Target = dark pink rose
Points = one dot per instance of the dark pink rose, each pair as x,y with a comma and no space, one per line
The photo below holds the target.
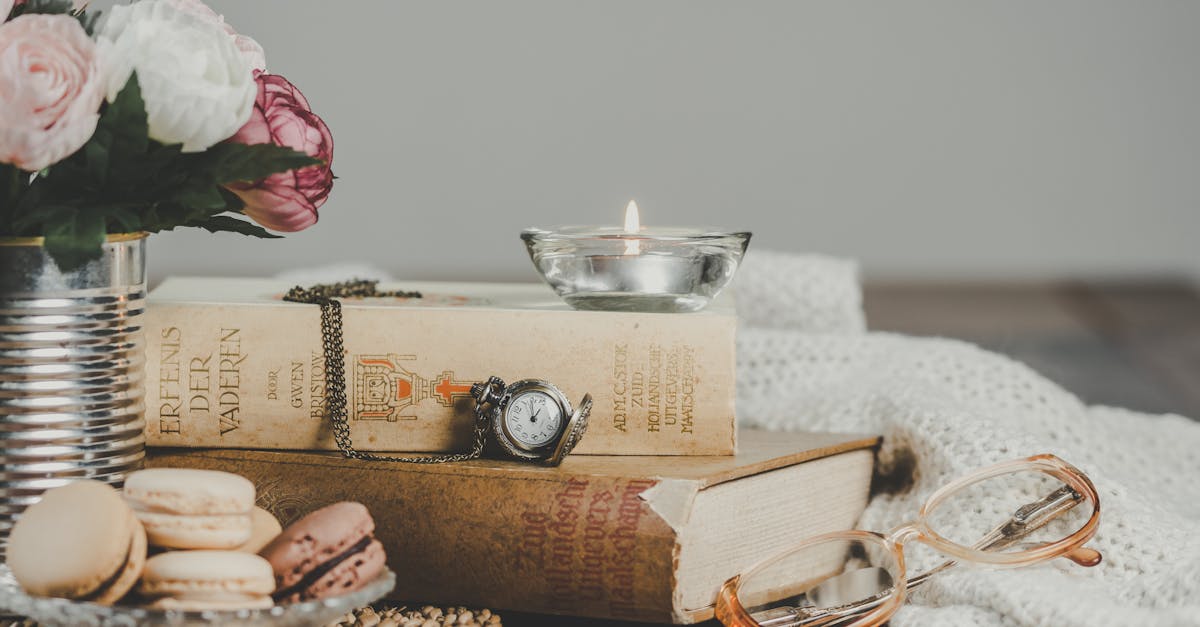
287,201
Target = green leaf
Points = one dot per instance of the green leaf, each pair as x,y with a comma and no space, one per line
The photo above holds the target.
11,186
122,135
49,7
232,224
73,237
87,19
161,158
151,177
233,163
200,196
233,202
28,214
126,218
70,176
170,215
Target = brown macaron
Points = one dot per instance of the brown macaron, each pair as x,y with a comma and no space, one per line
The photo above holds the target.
81,541
327,553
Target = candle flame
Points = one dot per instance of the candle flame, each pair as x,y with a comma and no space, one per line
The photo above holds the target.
633,224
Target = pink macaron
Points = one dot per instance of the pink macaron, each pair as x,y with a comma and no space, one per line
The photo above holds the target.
327,553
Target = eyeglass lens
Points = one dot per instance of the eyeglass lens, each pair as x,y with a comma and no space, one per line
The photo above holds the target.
1018,511
820,580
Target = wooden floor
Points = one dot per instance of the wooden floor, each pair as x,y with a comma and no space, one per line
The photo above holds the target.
1130,345
1134,345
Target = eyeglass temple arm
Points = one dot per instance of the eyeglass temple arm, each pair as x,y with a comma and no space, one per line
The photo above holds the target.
1027,519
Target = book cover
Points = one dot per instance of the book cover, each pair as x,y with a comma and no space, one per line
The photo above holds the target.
229,364
634,538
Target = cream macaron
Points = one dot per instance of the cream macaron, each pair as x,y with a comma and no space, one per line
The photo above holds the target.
265,528
207,580
185,508
81,541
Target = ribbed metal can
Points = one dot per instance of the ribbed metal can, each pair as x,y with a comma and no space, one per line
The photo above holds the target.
71,369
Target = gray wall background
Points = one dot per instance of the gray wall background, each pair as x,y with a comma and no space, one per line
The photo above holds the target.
932,140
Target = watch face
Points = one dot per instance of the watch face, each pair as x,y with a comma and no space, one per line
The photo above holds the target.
533,419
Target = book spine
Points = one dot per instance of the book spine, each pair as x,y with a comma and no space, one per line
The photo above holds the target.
560,544
254,376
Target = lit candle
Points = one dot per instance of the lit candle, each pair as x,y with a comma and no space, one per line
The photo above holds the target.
631,268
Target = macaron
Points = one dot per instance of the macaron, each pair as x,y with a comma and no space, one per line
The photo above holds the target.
207,580
81,541
329,552
185,508
264,528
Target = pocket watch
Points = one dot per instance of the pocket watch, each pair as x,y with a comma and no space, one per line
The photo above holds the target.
531,419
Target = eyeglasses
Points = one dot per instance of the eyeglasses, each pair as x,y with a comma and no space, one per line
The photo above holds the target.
858,577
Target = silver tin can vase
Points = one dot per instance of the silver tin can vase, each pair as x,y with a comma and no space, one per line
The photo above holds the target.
71,369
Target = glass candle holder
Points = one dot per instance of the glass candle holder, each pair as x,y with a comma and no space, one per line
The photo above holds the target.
658,269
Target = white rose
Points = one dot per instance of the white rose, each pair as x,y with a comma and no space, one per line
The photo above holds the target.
198,87
249,48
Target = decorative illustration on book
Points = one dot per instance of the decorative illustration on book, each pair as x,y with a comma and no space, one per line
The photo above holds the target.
384,390
426,300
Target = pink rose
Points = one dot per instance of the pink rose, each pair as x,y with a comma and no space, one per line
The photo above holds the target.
51,88
287,201
251,51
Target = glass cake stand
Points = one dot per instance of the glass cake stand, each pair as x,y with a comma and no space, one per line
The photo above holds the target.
67,613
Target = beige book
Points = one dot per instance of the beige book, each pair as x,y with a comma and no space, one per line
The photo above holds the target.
635,538
229,364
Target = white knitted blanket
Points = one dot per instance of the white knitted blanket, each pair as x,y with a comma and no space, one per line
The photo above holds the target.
806,362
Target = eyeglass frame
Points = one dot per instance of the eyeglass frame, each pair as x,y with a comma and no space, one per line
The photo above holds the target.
731,613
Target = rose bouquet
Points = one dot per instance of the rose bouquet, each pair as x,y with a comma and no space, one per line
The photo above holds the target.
157,115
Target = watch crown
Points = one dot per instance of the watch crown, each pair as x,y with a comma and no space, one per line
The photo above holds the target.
488,392
477,390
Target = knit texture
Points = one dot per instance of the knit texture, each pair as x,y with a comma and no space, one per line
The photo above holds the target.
947,408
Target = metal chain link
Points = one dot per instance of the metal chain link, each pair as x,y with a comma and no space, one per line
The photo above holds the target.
327,295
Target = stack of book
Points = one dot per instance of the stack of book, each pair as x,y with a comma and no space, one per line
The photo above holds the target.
658,506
